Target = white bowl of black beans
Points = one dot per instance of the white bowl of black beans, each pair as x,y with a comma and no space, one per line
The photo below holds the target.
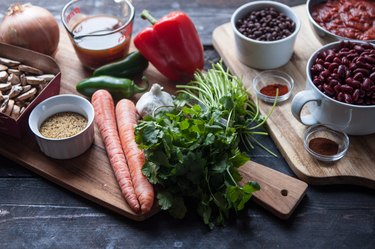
265,33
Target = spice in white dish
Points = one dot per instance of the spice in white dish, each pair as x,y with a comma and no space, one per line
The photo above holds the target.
63,125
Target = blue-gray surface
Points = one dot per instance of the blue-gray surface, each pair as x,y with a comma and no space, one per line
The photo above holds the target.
35,213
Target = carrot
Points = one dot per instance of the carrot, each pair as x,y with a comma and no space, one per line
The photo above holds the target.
126,116
106,122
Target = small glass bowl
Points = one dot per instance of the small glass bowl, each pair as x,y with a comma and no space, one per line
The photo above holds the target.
270,77
322,131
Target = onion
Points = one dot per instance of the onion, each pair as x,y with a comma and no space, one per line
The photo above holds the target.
30,27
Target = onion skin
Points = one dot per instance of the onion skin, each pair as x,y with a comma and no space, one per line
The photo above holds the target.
31,27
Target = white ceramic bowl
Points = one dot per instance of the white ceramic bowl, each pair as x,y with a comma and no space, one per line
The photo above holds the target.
63,148
264,54
322,109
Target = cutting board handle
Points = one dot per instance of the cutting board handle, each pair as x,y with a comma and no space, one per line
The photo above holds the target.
279,192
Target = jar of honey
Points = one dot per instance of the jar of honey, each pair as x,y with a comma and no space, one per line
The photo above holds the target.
100,30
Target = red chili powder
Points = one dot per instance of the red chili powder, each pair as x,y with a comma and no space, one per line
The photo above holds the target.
270,90
324,146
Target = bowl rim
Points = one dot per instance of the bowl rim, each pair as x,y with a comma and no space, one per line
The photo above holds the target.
326,158
123,26
288,81
270,3
309,79
338,37
90,118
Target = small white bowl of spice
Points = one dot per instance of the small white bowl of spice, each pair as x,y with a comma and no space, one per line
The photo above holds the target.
63,126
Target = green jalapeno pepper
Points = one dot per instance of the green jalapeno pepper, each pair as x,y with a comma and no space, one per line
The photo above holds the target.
132,65
118,87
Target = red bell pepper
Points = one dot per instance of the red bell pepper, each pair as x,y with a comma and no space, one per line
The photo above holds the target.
172,45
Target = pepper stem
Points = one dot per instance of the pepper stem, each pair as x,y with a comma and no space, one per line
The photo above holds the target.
145,87
145,15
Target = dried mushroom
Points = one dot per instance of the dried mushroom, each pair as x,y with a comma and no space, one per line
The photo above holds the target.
13,79
28,69
3,76
8,62
3,68
19,86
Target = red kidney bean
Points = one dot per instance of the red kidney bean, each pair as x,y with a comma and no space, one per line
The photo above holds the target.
318,68
347,89
337,88
354,84
362,93
335,75
317,81
358,76
366,85
319,61
361,64
340,96
351,56
341,70
346,73
330,57
348,98
328,89
365,72
343,53
345,61
332,66
333,82
325,74
337,60
352,66
370,62
355,95
326,64
359,48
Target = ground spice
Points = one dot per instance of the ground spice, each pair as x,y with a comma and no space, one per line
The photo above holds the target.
324,146
63,125
270,90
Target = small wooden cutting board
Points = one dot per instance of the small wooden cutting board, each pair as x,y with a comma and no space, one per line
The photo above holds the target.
357,167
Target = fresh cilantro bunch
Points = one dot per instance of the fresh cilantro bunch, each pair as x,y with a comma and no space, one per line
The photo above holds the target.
192,155
192,152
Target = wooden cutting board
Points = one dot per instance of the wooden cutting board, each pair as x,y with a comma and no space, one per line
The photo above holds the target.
357,167
90,175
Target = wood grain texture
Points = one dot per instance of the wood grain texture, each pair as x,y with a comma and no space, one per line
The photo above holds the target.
357,167
279,193
90,175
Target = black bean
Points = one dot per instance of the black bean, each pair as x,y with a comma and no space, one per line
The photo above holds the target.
273,25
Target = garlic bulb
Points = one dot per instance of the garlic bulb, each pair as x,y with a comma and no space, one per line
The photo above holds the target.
154,101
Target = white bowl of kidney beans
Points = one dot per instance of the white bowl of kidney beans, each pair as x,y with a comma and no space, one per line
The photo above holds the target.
336,20
340,88
265,33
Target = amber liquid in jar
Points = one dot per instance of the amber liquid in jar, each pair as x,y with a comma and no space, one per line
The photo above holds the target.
95,51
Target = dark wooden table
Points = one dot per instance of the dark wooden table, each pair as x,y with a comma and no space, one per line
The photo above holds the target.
35,213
